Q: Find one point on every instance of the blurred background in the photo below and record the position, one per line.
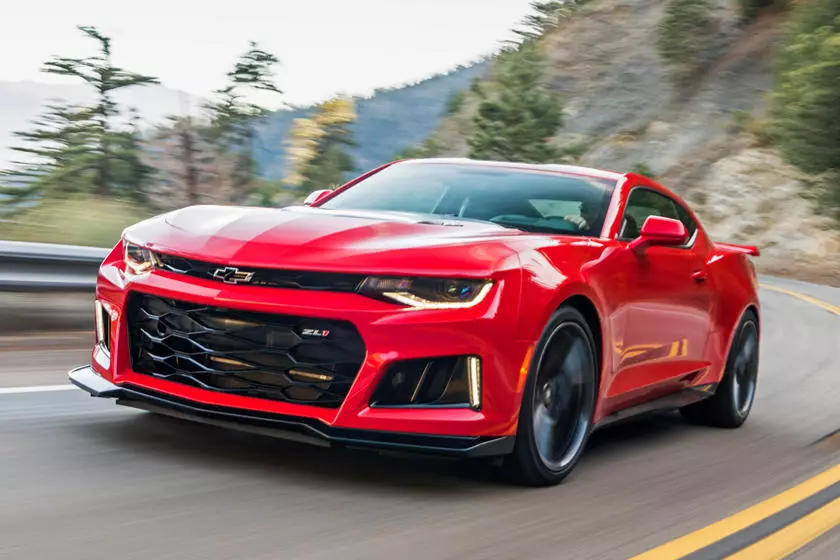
(732, 103)
(109, 115)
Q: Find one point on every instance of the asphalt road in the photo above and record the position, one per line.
(83, 479)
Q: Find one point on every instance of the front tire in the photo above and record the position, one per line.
(731, 404)
(558, 404)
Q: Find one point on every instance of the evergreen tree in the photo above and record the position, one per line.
(128, 170)
(546, 16)
(100, 73)
(455, 102)
(805, 103)
(61, 156)
(517, 120)
(234, 119)
(686, 38)
(751, 8)
(430, 147)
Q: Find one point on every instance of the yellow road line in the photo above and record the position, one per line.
(743, 519)
(793, 537)
(827, 306)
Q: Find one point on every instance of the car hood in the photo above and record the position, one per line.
(316, 239)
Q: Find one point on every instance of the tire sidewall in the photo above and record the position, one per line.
(729, 379)
(525, 432)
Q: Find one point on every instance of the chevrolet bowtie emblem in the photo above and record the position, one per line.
(232, 275)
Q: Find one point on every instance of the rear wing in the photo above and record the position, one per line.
(750, 250)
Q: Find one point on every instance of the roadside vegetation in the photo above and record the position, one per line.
(94, 169)
(78, 220)
(687, 39)
(805, 104)
(85, 172)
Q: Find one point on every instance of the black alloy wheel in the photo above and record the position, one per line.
(745, 369)
(559, 402)
(735, 395)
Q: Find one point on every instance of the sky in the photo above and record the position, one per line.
(325, 47)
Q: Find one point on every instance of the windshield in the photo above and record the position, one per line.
(534, 201)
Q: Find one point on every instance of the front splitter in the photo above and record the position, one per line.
(293, 428)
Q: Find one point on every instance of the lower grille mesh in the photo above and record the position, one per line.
(276, 357)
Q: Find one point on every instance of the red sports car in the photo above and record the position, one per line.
(442, 305)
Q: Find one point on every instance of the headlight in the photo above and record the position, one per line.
(427, 293)
(139, 260)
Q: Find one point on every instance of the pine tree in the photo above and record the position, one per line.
(234, 119)
(100, 73)
(128, 170)
(686, 38)
(517, 120)
(60, 152)
(751, 8)
(430, 147)
(805, 103)
(546, 16)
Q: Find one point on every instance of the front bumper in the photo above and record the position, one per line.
(391, 334)
(306, 430)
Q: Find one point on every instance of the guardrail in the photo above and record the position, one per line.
(46, 267)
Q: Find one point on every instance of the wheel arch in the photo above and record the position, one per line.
(588, 309)
(732, 332)
(754, 309)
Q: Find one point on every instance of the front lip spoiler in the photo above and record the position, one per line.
(294, 428)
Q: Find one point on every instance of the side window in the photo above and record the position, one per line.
(641, 204)
(687, 221)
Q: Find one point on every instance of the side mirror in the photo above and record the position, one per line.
(316, 197)
(660, 231)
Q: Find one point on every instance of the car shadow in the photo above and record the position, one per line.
(173, 440)
(645, 430)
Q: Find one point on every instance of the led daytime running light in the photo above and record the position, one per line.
(407, 298)
(427, 293)
(474, 376)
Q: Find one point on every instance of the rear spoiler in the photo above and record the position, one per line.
(750, 250)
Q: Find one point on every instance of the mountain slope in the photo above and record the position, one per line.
(706, 144)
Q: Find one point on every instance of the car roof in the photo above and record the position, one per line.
(549, 167)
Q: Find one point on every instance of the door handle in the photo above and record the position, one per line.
(699, 275)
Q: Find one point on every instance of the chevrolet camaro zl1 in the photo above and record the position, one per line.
(443, 305)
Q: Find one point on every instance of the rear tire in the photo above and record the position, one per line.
(558, 403)
(731, 404)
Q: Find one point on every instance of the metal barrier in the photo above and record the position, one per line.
(46, 267)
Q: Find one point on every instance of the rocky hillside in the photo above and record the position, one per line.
(706, 144)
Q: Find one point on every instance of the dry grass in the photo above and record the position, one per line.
(91, 222)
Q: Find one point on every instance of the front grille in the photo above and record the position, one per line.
(267, 277)
(276, 357)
